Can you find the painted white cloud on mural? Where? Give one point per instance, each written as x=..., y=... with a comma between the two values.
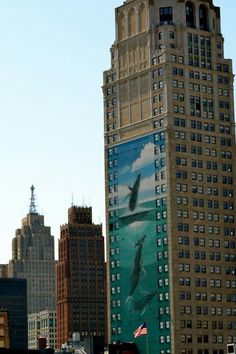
x=124, y=191
x=125, y=169
x=147, y=184
x=146, y=157
x=138, y=226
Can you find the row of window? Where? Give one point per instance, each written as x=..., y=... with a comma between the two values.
x=201, y=203
x=202, y=351
x=173, y=58
x=198, y=150
x=111, y=127
x=110, y=78
x=209, y=139
x=212, y=256
x=205, y=324
x=199, y=109
x=171, y=35
x=111, y=102
x=203, y=310
x=222, y=67
x=185, y=214
x=200, y=76
x=202, y=88
x=209, y=165
x=187, y=338
x=112, y=139
x=204, y=282
x=208, y=229
x=196, y=124
x=204, y=296
x=111, y=90
x=201, y=216
x=111, y=114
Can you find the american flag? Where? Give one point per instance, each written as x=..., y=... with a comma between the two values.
x=142, y=330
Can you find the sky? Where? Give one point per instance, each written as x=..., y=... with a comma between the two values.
x=52, y=57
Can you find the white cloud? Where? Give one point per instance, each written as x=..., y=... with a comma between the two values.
x=125, y=169
x=124, y=191
x=146, y=156
x=147, y=184
x=137, y=225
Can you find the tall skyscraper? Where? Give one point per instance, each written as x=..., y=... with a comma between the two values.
x=80, y=277
x=33, y=259
x=170, y=160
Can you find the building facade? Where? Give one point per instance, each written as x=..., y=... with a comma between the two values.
x=33, y=259
x=13, y=318
x=80, y=277
x=169, y=157
x=4, y=329
x=3, y=270
x=42, y=325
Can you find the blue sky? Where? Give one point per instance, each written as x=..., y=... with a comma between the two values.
x=52, y=57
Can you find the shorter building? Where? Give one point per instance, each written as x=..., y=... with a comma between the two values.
x=81, y=296
x=3, y=270
x=33, y=330
x=42, y=325
x=4, y=329
x=13, y=298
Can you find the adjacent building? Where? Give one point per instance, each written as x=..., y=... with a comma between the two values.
x=3, y=270
x=33, y=259
x=42, y=325
x=4, y=329
x=170, y=169
x=80, y=277
x=13, y=316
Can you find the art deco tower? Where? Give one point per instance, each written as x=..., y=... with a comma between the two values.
x=170, y=169
x=33, y=259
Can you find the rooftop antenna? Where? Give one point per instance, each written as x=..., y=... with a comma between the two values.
x=72, y=200
x=32, y=209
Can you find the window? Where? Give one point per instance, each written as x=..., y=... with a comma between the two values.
x=166, y=16
x=203, y=18
x=190, y=15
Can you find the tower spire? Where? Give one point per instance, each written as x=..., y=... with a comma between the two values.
x=32, y=209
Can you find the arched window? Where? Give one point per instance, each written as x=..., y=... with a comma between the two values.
x=203, y=18
x=190, y=18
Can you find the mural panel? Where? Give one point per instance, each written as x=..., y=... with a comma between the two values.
x=138, y=233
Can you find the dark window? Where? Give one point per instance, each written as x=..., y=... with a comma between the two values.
x=166, y=16
x=190, y=15
x=203, y=18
